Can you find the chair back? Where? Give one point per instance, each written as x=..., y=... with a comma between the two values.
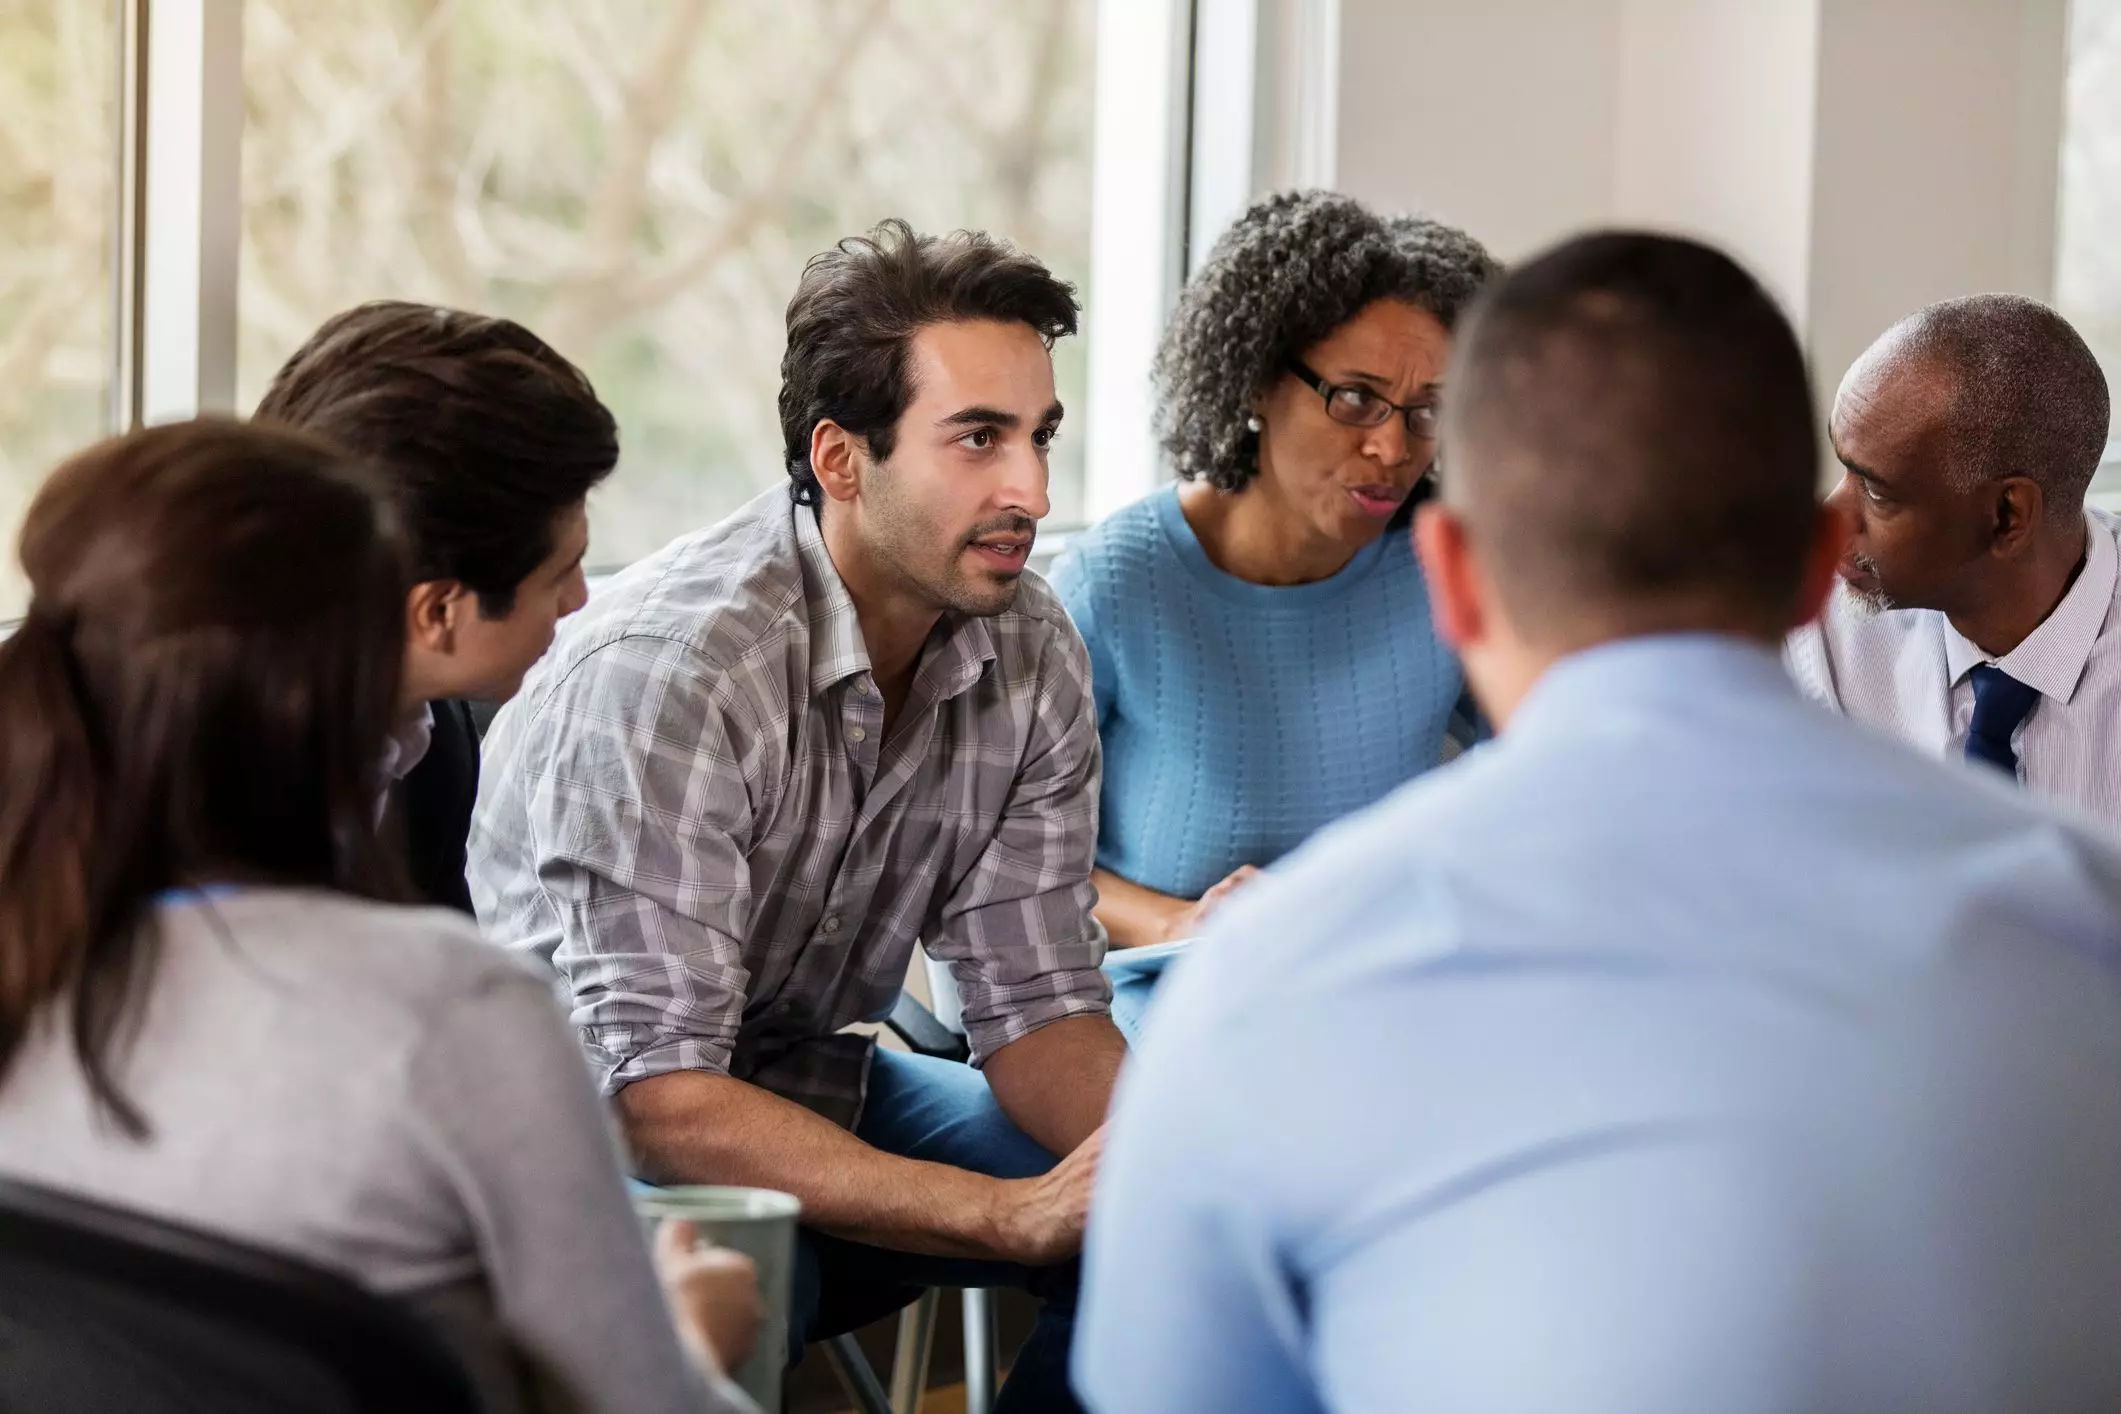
x=103, y=1309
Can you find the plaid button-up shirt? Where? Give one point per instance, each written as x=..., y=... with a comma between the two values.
x=691, y=811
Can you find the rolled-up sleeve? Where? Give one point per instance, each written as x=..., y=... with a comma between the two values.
x=1017, y=931
x=637, y=777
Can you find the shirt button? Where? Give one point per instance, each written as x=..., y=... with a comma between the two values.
x=830, y=925
x=856, y=734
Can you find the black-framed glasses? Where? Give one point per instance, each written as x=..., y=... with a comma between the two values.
x=1353, y=405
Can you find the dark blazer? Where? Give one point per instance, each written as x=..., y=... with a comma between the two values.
x=434, y=804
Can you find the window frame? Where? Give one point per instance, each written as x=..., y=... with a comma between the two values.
x=1187, y=95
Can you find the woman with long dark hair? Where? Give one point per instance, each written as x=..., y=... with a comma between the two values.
x=209, y=1010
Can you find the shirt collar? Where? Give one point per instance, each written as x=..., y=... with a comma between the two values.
x=956, y=654
x=1681, y=669
x=837, y=651
x=407, y=744
x=2051, y=660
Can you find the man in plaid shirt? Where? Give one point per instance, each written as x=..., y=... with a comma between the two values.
x=767, y=760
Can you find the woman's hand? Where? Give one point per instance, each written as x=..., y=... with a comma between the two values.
x=713, y=1295
x=1188, y=922
x=1138, y=917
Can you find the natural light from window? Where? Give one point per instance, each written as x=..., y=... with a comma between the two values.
x=2088, y=225
x=58, y=127
x=640, y=182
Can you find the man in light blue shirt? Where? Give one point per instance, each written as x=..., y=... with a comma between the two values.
x=1686, y=1049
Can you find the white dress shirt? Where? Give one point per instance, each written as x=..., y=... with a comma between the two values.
x=1906, y=670
x=405, y=748
x=407, y=745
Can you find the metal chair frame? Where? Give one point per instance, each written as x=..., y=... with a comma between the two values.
x=925, y=1034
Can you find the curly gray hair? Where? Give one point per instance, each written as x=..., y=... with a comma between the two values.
x=1290, y=271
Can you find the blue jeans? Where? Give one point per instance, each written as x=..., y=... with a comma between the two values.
x=941, y=1111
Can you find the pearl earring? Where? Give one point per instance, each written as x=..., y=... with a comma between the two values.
x=1252, y=423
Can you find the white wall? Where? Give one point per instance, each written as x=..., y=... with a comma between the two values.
x=1940, y=127
x=1714, y=131
x=1495, y=115
x=1862, y=156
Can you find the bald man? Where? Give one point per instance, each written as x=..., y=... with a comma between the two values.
x=1976, y=615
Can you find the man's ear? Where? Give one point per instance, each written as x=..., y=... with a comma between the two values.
x=2018, y=507
x=1456, y=601
x=434, y=609
x=1830, y=540
x=838, y=459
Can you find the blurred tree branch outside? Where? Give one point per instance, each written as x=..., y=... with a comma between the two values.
x=640, y=181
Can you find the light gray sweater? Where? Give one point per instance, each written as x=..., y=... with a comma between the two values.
x=379, y=1091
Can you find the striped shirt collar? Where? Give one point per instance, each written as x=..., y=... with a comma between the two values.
x=2053, y=656
x=837, y=649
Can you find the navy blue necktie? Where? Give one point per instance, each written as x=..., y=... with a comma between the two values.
x=2001, y=702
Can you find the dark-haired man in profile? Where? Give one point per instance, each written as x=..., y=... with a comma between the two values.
x=768, y=759
x=491, y=443
x=1687, y=1047
x=1979, y=614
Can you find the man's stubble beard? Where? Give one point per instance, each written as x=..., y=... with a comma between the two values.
x=902, y=535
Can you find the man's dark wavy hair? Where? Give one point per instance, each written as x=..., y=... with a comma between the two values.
x=855, y=313
x=486, y=435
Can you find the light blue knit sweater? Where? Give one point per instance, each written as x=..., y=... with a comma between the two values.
x=1237, y=718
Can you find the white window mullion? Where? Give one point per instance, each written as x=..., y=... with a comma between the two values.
x=1226, y=157
x=1137, y=225
x=1266, y=107
x=1313, y=109
x=193, y=201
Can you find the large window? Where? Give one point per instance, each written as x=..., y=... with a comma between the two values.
x=58, y=121
x=640, y=181
x=2088, y=226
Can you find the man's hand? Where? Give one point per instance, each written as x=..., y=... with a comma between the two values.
x=1188, y=924
x=713, y=1295
x=1040, y=1220
x=692, y=1127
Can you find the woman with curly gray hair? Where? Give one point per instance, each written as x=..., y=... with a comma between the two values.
x=1259, y=633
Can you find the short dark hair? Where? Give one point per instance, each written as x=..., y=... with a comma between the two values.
x=208, y=668
x=1630, y=438
x=855, y=313
x=2028, y=395
x=1290, y=271
x=487, y=435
